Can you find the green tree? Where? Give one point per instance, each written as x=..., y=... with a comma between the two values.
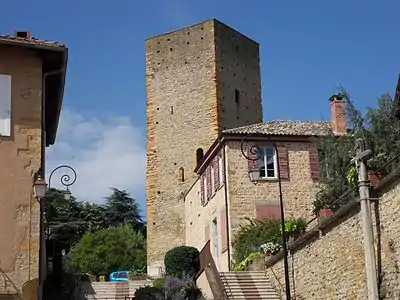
x=110, y=249
x=63, y=217
x=379, y=127
x=120, y=208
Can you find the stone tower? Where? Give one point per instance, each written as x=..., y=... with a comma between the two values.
x=200, y=80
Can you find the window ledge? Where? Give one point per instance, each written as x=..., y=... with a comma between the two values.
x=268, y=179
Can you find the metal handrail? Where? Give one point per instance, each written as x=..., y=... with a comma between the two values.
x=276, y=277
x=7, y=278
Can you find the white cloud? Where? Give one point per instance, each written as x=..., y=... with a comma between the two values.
x=105, y=153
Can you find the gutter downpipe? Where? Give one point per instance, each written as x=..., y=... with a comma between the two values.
x=226, y=205
x=42, y=246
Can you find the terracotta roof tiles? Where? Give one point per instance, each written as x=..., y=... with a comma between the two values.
x=284, y=127
x=32, y=42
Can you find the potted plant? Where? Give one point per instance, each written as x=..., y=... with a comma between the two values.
x=137, y=274
x=322, y=208
x=294, y=228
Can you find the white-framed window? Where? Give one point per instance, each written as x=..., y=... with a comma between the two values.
x=221, y=170
x=268, y=163
x=5, y=105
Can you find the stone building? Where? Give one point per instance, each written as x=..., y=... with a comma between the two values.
x=32, y=75
x=231, y=188
x=200, y=80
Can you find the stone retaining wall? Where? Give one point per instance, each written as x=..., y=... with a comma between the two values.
x=328, y=261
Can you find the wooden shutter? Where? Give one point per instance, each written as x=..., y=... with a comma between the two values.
x=283, y=160
x=216, y=172
x=267, y=211
x=314, y=162
x=252, y=163
x=202, y=198
x=224, y=236
x=5, y=105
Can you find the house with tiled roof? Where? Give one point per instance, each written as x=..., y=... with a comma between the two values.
x=238, y=178
x=32, y=78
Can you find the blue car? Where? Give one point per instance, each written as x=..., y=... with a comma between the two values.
x=119, y=276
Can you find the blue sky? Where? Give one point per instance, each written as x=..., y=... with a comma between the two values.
x=308, y=49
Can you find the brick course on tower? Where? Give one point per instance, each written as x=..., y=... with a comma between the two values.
x=200, y=80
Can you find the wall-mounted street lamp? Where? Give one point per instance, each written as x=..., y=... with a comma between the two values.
x=65, y=180
x=256, y=153
x=40, y=188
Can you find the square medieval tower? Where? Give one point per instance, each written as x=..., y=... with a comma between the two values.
x=200, y=80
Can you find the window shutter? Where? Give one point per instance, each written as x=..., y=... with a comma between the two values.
x=216, y=173
x=314, y=162
x=208, y=179
x=253, y=164
x=224, y=238
x=202, y=200
x=283, y=160
x=267, y=211
x=207, y=233
x=5, y=105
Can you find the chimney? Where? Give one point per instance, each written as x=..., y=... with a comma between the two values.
x=338, y=114
x=22, y=34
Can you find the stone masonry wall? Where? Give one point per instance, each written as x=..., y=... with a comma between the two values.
x=183, y=114
x=20, y=157
x=238, y=78
x=331, y=265
x=298, y=191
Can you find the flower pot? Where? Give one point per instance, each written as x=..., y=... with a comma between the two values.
x=374, y=177
x=324, y=213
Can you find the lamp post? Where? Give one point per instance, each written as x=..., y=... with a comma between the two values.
x=66, y=180
x=256, y=154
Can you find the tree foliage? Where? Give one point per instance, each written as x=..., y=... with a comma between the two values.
x=70, y=219
x=120, y=208
x=107, y=250
x=379, y=128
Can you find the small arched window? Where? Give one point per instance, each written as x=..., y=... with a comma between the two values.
x=181, y=174
x=199, y=155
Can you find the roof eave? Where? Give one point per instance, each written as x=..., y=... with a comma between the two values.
x=51, y=138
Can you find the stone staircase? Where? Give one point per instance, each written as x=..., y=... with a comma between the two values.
x=249, y=285
x=110, y=290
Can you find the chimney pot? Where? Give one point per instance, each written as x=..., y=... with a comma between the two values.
x=338, y=114
x=22, y=34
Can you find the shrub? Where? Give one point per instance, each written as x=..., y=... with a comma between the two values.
x=182, y=260
x=149, y=293
x=181, y=289
x=252, y=235
x=159, y=282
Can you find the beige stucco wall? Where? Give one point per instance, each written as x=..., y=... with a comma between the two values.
x=198, y=217
x=298, y=192
x=20, y=157
x=332, y=267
